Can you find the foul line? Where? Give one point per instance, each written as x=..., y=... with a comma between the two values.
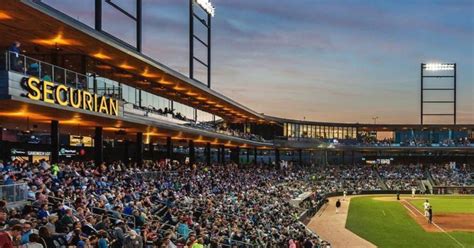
x=409, y=209
x=436, y=225
x=321, y=211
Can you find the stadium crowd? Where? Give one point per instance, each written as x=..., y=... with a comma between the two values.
x=80, y=204
x=350, y=178
x=450, y=175
x=401, y=177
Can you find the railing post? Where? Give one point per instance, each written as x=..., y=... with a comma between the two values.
x=24, y=64
x=53, y=75
x=39, y=69
x=7, y=61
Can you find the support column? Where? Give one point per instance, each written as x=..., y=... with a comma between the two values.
x=248, y=155
x=98, y=146
x=237, y=155
x=255, y=150
x=219, y=155
x=222, y=154
x=139, y=149
x=54, y=142
x=169, y=148
x=151, y=150
x=277, y=157
x=126, y=145
x=325, y=157
x=353, y=160
x=191, y=152
x=208, y=153
x=300, y=157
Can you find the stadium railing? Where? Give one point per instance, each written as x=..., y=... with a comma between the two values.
x=14, y=193
x=29, y=66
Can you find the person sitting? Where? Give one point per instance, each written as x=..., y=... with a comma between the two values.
x=43, y=213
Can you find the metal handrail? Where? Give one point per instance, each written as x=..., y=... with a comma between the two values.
x=20, y=65
x=14, y=192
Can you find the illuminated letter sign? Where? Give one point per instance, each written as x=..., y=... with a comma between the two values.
x=207, y=6
x=65, y=96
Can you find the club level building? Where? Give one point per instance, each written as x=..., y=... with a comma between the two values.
x=74, y=92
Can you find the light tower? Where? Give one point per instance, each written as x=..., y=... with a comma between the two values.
x=438, y=71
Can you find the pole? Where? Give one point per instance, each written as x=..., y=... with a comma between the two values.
x=209, y=50
x=191, y=40
x=139, y=25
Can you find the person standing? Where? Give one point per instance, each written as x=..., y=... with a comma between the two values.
x=338, y=205
x=413, y=192
x=430, y=215
x=14, y=56
x=398, y=195
x=426, y=206
x=344, y=193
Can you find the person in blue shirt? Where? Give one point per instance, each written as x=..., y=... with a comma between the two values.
x=14, y=56
x=183, y=230
x=43, y=213
x=128, y=210
x=25, y=236
x=103, y=242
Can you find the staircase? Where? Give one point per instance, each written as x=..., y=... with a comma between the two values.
x=380, y=180
x=427, y=186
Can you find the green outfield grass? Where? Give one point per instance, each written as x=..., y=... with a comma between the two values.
x=443, y=204
x=387, y=224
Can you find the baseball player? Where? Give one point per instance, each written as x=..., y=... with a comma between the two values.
x=413, y=192
x=426, y=206
x=338, y=205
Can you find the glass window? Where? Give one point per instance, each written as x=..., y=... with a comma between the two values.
x=203, y=116
x=183, y=111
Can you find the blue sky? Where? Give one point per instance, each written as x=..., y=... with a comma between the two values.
x=325, y=60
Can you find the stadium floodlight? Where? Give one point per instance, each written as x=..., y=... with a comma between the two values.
x=207, y=6
x=439, y=67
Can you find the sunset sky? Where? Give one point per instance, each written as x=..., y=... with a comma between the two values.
x=335, y=61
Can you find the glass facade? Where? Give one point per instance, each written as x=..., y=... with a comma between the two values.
x=296, y=130
x=202, y=116
x=149, y=100
x=184, y=110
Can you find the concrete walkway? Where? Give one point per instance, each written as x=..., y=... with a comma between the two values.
x=331, y=226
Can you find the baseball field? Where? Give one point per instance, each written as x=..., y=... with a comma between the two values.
x=386, y=222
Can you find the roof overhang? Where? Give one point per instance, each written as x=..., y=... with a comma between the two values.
x=33, y=22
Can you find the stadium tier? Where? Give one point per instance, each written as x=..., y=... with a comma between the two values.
x=73, y=92
x=103, y=146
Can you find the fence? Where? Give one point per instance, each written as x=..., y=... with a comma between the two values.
x=14, y=192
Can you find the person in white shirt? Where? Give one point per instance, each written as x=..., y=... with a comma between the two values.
x=413, y=192
x=426, y=206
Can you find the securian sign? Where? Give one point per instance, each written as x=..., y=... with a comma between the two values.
x=207, y=6
x=63, y=95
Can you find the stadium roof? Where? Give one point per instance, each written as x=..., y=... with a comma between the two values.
x=32, y=22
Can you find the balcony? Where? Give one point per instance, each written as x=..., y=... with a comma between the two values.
x=131, y=100
x=28, y=66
